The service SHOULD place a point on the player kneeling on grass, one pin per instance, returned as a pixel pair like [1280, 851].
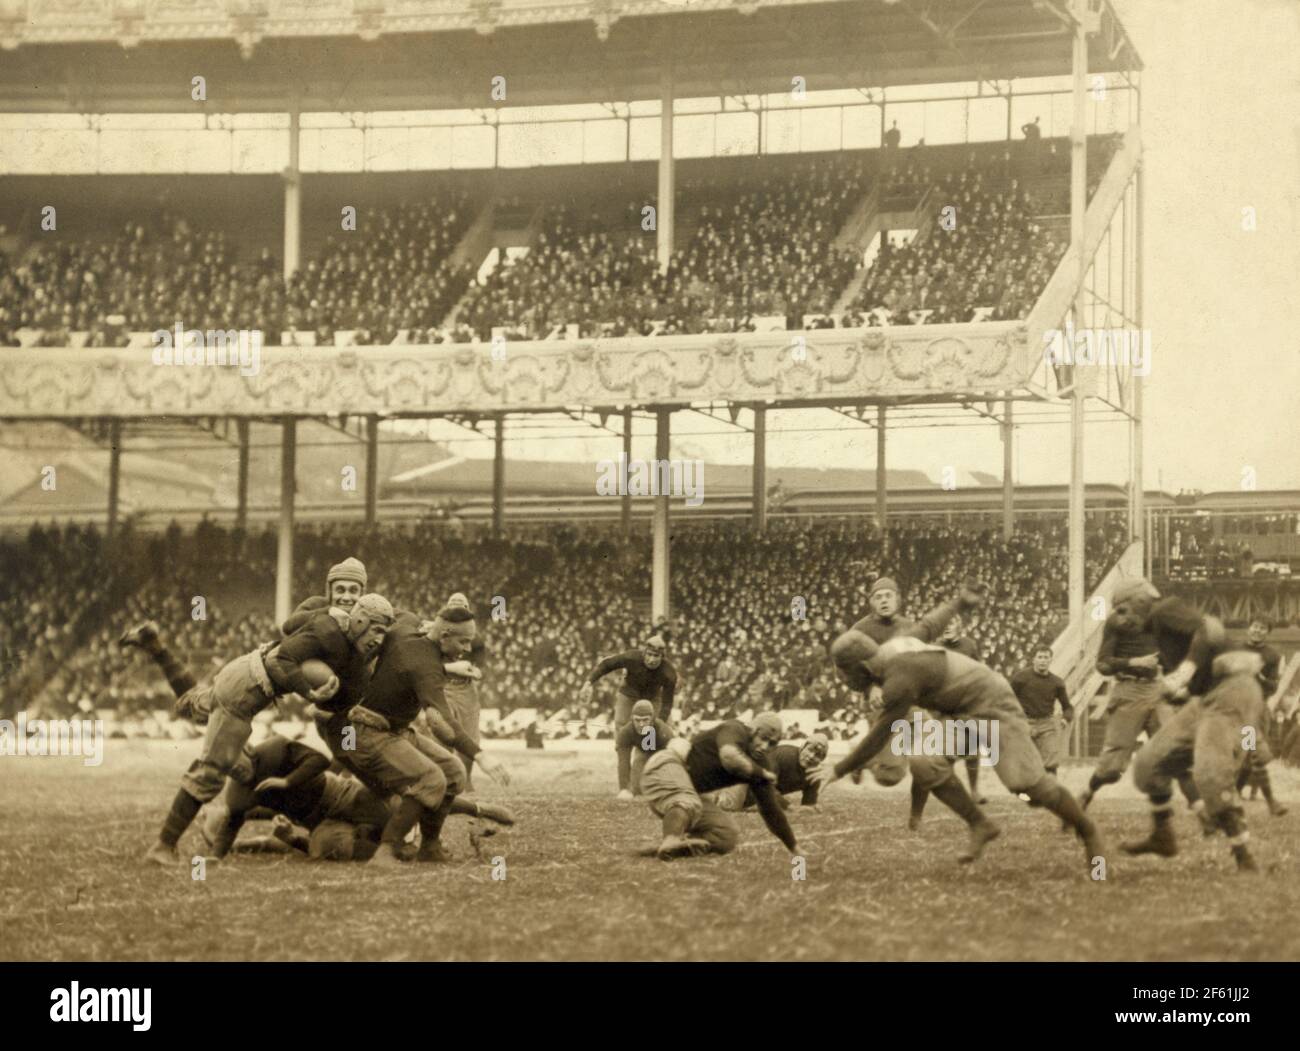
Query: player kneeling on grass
[343, 641]
[912, 673]
[792, 765]
[642, 737]
[675, 780]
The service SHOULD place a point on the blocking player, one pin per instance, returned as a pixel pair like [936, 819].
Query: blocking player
[647, 676]
[791, 763]
[1208, 734]
[345, 642]
[880, 625]
[1039, 691]
[461, 689]
[953, 639]
[1128, 654]
[912, 673]
[642, 737]
[677, 779]
[391, 756]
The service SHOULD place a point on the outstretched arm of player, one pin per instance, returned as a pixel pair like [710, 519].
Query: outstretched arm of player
[738, 763]
[770, 806]
[931, 626]
[424, 680]
[307, 763]
[899, 694]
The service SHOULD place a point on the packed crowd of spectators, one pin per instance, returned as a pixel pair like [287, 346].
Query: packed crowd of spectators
[753, 615]
[749, 252]
[392, 275]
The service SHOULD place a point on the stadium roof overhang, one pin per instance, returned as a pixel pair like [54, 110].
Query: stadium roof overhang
[360, 55]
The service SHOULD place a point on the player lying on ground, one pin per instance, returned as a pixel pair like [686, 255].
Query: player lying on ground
[391, 755]
[292, 780]
[913, 674]
[677, 779]
[1129, 654]
[647, 675]
[343, 641]
[880, 625]
[641, 738]
[1211, 734]
[791, 763]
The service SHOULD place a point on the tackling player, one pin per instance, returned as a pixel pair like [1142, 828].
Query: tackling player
[1256, 772]
[345, 642]
[912, 673]
[791, 763]
[1208, 734]
[677, 778]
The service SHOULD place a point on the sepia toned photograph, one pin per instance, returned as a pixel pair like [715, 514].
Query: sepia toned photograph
[675, 481]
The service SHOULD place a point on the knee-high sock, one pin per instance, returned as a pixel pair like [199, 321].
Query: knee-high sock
[1232, 823]
[1188, 787]
[973, 773]
[952, 794]
[919, 798]
[179, 677]
[624, 768]
[431, 821]
[178, 819]
[403, 820]
[1055, 797]
[1265, 784]
[468, 762]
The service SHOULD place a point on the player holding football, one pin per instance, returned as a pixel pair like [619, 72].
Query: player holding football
[912, 673]
[677, 779]
[647, 676]
[1129, 655]
[1207, 736]
[343, 641]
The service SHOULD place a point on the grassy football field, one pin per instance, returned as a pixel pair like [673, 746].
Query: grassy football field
[75, 887]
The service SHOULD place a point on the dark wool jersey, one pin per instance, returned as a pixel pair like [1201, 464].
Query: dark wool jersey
[639, 682]
[790, 776]
[303, 767]
[410, 677]
[631, 737]
[927, 629]
[1119, 647]
[303, 612]
[1271, 675]
[320, 638]
[966, 647]
[1037, 694]
[704, 764]
[1179, 631]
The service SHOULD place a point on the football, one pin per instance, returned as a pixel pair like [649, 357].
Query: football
[316, 671]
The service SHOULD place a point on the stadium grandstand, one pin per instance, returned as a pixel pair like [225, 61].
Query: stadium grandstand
[875, 220]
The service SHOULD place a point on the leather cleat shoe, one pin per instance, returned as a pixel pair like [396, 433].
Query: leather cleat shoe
[433, 853]
[1161, 841]
[161, 854]
[982, 833]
